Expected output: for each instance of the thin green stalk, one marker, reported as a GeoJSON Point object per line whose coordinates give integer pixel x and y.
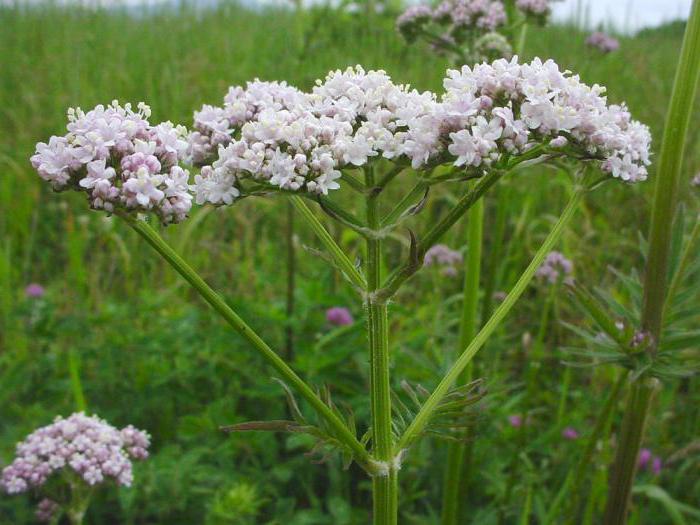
{"type": "Point", "coordinates": [75, 382]}
{"type": "Point", "coordinates": [407, 201]}
{"type": "Point", "coordinates": [384, 487]}
{"type": "Point", "coordinates": [456, 453]}
{"type": "Point", "coordinates": [327, 240]}
{"type": "Point", "coordinates": [291, 277]}
{"type": "Point", "coordinates": [342, 432]}
{"type": "Point", "coordinates": [436, 232]}
{"type": "Point", "coordinates": [426, 411]}
{"type": "Point", "coordinates": [656, 275]}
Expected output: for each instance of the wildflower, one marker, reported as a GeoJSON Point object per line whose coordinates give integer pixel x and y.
{"type": "Point", "coordinates": [87, 446]}
{"type": "Point", "coordinates": [412, 20]}
{"type": "Point", "coordinates": [120, 161]}
{"type": "Point", "coordinates": [492, 46]}
{"type": "Point", "coordinates": [569, 433]}
{"type": "Point", "coordinates": [656, 465]}
{"type": "Point", "coordinates": [602, 42]}
{"type": "Point", "coordinates": [554, 268]}
{"type": "Point", "coordinates": [696, 181]}
{"type": "Point", "coordinates": [645, 456]}
{"type": "Point", "coordinates": [442, 256]}
{"type": "Point", "coordinates": [515, 420]}
{"type": "Point", "coordinates": [34, 291]}
{"type": "Point", "coordinates": [536, 8]}
{"type": "Point", "coordinates": [339, 316]}
{"type": "Point", "coordinates": [46, 510]}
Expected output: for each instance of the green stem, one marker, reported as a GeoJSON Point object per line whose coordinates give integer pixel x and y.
{"type": "Point", "coordinates": [291, 275]}
{"type": "Point", "coordinates": [437, 231]}
{"type": "Point", "coordinates": [656, 275]}
{"type": "Point", "coordinates": [456, 453]}
{"type": "Point", "coordinates": [384, 487]}
{"type": "Point", "coordinates": [327, 240]}
{"type": "Point", "coordinates": [626, 458]}
{"type": "Point", "coordinates": [75, 382]}
{"type": "Point", "coordinates": [408, 200]}
{"type": "Point", "coordinates": [171, 257]}
{"type": "Point", "coordinates": [426, 411]}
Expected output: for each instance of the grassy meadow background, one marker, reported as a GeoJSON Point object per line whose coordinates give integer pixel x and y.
{"type": "Point", "coordinates": [150, 353]}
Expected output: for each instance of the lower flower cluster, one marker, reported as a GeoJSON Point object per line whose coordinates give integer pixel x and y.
{"type": "Point", "coordinates": [85, 445]}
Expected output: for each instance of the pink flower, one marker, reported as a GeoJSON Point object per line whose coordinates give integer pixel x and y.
{"type": "Point", "coordinates": [570, 433]}
{"type": "Point", "coordinates": [515, 420]}
{"type": "Point", "coordinates": [339, 316]}
{"type": "Point", "coordinates": [34, 290]}
{"type": "Point", "coordinates": [656, 465]}
{"type": "Point", "coordinates": [644, 458]}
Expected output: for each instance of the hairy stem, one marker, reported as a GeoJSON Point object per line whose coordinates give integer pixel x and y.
{"type": "Point", "coordinates": [426, 411]}
{"type": "Point", "coordinates": [385, 485]}
{"type": "Point", "coordinates": [456, 453]}
{"type": "Point", "coordinates": [341, 430]}
{"type": "Point", "coordinates": [656, 275]}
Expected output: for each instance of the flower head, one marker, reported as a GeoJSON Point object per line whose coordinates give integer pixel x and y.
{"type": "Point", "coordinates": [569, 433]}
{"type": "Point", "coordinates": [554, 268]}
{"type": "Point", "coordinates": [515, 420]}
{"type": "Point", "coordinates": [34, 291]}
{"type": "Point", "coordinates": [46, 510]}
{"type": "Point", "coordinates": [696, 181]}
{"type": "Point", "coordinates": [602, 42]}
{"type": "Point", "coordinates": [339, 316]}
{"type": "Point", "coordinates": [86, 445]}
{"type": "Point", "coordinates": [120, 161]}
{"type": "Point", "coordinates": [443, 257]}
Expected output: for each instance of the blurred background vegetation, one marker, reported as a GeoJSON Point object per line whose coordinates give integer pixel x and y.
{"type": "Point", "coordinates": [150, 353]}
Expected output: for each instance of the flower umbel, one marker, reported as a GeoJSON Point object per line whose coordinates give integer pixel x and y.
{"type": "Point", "coordinates": [120, 160]}
{"type": "Point", "coordinates": [85, 445]}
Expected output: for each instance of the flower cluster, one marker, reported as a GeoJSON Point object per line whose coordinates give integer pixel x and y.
{"type": "Point", "coordinates": [347, 119]}
{"type": "Point", "coordinates": [696, 180]}
{"type": "Point", "coordinates": [120, 160]}
{"type": "Point", "coordinates": [445, 258]}
{"type": "Point", "coordinates": [34, 291]}
{"type": "Point", "coordinates": [46, 510]}
{"type": "Point", "coordinates": [649, 461]}
{"type": "Point", "coordinates": [507, 108]}
{"type": "Point", "coordinates": [554, 268]}
{"type": "Point", "coordinates": [214, 126]}
{"type": "Point", "coordinates": [536, 8]}
{"type": "Point", "coordinates": [487, 115]}
{"type": "Point", "coordinates": [339, 316]}
{"type": "Point", "coordinates": [602, 42]}
{"type": "Point", "coordinates": [458, 20]}
{"type": "Point", "coordinates": [88, 446]}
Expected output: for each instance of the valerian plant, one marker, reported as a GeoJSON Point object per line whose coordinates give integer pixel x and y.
{"type": "Point", "coordinates": [362, 130]}
{"type": "Point", "coordinates": [68, 460]}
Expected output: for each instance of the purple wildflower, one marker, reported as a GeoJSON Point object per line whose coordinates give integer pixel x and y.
{"type": "Point", "coordinates": [339, 316]}
{"type": "Point", "coordinates": [602, 42]}
{"type": "Point", "coordinates": [46, 509]}
{"type": "Point", "coordinates": [554, 267]}
{"type": "Point", "coordinates": [570, 433]}
{"type": "Point", "coordinates": [87, 445]}
{"type": "Point", "coordinates": [443, 257]}
{"type": "Point", "coordinates": [34, 290]}
{"type": "Point", "coordinates": [515, 420]}
{"type": "Point", "coordinates": [645, 456]}
{"type": "Point", "coordinates": [656, 465]}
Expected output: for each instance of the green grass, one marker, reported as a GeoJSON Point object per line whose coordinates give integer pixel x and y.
{"type": "Point", "coordinates": [153, 355]}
